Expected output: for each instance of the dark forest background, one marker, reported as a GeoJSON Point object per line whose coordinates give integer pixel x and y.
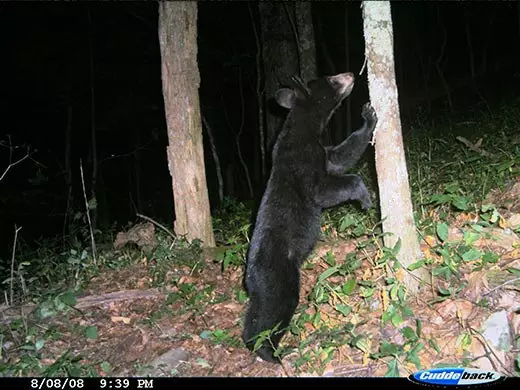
{"type": "Point", "coordinates": [54, 55]}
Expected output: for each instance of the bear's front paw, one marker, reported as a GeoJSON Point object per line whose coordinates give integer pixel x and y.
{"type": "Point", "coordinates": [368, 113]}
{"type": "Point", "coordinates": [366, 203]}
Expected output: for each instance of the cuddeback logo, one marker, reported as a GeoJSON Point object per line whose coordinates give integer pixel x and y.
{"type": "Point", "coordinates": [456, 377]}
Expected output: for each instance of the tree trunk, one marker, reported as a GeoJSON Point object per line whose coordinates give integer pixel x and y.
{"type": "Point", "coordinates": [280, 57]}
{"type": "Point", "coordinates": [180, 81]}
{"type": "Point", "coordinates": [438, 61]}
{"type": "Point", "coordinates": [348, 105]}
{"type": "Point", "coordinates": [306, 41]}
{"type": "Point", "coordinates": [93, 189]}
{"type": "Point", "coordinates": [394, 190]}
{"type": "Point", "coordinates": [259, 100]}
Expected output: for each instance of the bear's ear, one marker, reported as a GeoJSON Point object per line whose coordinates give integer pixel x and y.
{"type": "Point", "coordinates": [285, 97]}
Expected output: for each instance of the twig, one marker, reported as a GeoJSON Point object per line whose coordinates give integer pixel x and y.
{"type": "Point", "coordinates": [261, 126]}
{"type": "Point", "coordinates": [502, 285]}
{"type": "Point", "coordinates": [11, 163]}
{"type": "Point", "coordinates": [172, 235]}
{"type": "Point", "coordinates": [239, 134]}
{"type": "Point", "coordinates": [88, 214]}
{"type": "Point", "coordinates": [216, 159]}
{"type": "Point", "coordinates": [16, 230]}
{"type": "Point", "coordinates": [474, 147]}
{"type": "Point", "coordinates": [440, 58]}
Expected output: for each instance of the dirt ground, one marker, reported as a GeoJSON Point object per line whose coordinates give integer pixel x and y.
{"type": "Point", "coordinates": [130, 339]}
{"type": "Point", "coordinates": [143, 331]}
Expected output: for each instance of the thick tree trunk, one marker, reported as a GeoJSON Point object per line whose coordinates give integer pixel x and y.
{"type": "Point", "coordinates": [280, 57]}
{"type": "Point", "coordinates": [394, 190]}
{"type": "Point", "coordinates": [180, 80]}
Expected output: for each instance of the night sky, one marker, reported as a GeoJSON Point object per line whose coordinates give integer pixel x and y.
{"type": "Point", "coordinates": [55, 54]}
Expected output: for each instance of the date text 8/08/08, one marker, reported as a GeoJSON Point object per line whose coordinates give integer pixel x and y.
{"type": "Point", "coordinates": [78, 383]}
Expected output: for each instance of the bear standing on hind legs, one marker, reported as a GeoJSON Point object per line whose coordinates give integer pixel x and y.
{"type": "Point", "coordinates": [306, 177]}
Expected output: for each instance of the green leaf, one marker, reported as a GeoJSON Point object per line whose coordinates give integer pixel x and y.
{"type": "Point", "coordinates": [106, 367]}
{"type": "Point", "coordinates": [346, 222]}
{"type": "Point", "coordinates": [39, 344]}
{"type": "Point", "coordinates": [397, 246]}
{"type": "Point", "coordinates": [477, 228]}
{"type": "Point", "coordinates": [393, 370]}
{"type": "Point", "coordinates": [434, 345]}
{"type": "Point", "coordinates": [343, 309]}
{"type": "Point", "coordinates": [444, 291]}
{"type": "Point", "coordinates": [397, 319]}
{"type": "Point", "coordinates": [409, 333]}
{"type": "Point", "coordinates": [442, 231]}
{"type": "Point", "coordinates": [416, 265]}
{"type": "Point", "coordinates": [418, 330]}
{"type": "Point", "coordinates": [407, 311]}
{"type": "Point", "coordinates": [319, 293]}
{"type": "Point", "coordinates": [393, 292]}
{"type": "Point", "coordinates": [490, 257]}
{"type": "Point", "coordinates": [439, 199]}
{"type": "Point", "coordinates": [471, 255]}
{"type": "Point", "coordinates": [316, 320]}
{"type": "Point", "coordinates": [367, 292]}
{"type": "Point", "coordinates": [91, 332]}
{"type": "Point", "coordinates": [461, 203]}
{"type": "Point", "coordinates": [330, 259]}
{"type": "Point", "coordinates": [470, 237]}
{"type": "Point", "coordinates": [349, 286]}
{"type": "Point", "coordinates": [68, 298]}
{"type": "Point", "coordinates": [452, 188]}
{"type": "Point", "coordinates": [327, 273]}
{"type": "Point", "coordinates": [401, 294]}
{"type": "Point", "coordinates": [389, 349]}
{"type": "Point", "coordinates": [412, 355]}
{"type": "Point", "coordinates": [363, 344]}
{"type": "Point", "coordinates": [514, 271]}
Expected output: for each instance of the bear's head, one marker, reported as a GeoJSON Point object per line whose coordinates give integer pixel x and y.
{"type": "Point", "coordinates": [321, 96]}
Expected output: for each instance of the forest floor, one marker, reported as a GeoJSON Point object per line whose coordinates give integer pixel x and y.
{"type": "Point", "coordinates": [192, 327]}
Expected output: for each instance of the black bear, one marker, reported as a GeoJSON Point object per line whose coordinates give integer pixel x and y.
{"type": "Point", "coordinates": [306, 177]}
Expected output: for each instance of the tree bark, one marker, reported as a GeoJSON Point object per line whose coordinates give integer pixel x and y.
{"type": "Point", "coordinates": [348, 104]}
{"type": "Point", "coordinates": [180, 81]}
{"type": "Point", "coordinates": [306, 41]}
{"type": "Point", "coordinates": [280, 56]}
{"type": "Point", "coordinates": [394, 189]}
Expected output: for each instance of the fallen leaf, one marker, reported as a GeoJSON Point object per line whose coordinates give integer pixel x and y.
{"type": "Point", "coordinates": [451, 308]}
{"type": "Point", "coordinates": [125, 320]}
{"type": "Point", "coordinates": [477, 284]}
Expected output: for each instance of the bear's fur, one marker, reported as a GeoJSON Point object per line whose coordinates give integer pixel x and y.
{"type": "Point", "coordinates": [306, 177]}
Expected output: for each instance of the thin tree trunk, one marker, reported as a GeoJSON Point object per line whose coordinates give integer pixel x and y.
{"type": "Point", "coordinates": [259, 96]}
{"type": "Point", "coordinates": [348, 104]}
{"type": "Point", "coordinates": [214, 152]}
{"type": "Point", "coordinates": [180, 81]}
{"type": "Point", "coordinates": [68, 171]}
{"type": "Point", "coordinates": [330, 68]}
{"type": "Point", "coordinates": [93, 188]}
{"type": "Point", "coordinates": [239, 134]}
{"type": "Point", "coordinates": [394, 189]}
{"type": "Point", "coordinates": [471, 55]}
{"type": "Point", "coordinates": [137, 171]}
{"type": "Point", "coordinates": [438, 66]}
